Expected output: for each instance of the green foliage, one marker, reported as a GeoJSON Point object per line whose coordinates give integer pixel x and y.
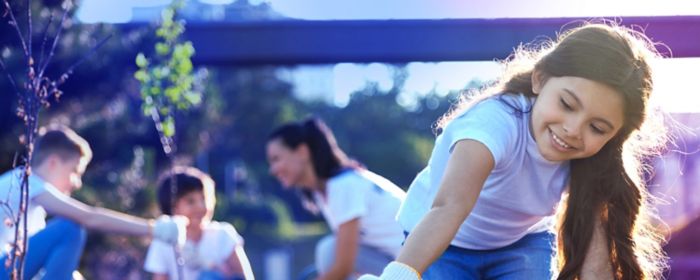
{"type": "Point", "coordinates": [167, 81]}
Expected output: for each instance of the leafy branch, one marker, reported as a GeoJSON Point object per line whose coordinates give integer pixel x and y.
{"type": "Point", "coordinates": [167, 81]}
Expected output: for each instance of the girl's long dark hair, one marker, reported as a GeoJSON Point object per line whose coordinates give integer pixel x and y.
{"type": "Point", "coordinates": [326, 156]}
{"type": "Point", "coordinates": [606, 187]}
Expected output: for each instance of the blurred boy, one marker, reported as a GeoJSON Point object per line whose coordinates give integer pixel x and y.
{"type": "Point", "coordinates": [59, 160]}
{"type": "Point", "coordinates": [213, 250]}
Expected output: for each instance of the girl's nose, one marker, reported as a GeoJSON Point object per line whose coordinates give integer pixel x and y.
{"type": "Point", "coordinates": [572, 129]}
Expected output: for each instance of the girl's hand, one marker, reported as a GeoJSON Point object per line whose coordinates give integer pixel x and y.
{"type": "Point", "coordinates": [395, 271]}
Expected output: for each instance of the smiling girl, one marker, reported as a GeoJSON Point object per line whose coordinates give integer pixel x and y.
{"type": "Point", "coordinates": [560, 129]}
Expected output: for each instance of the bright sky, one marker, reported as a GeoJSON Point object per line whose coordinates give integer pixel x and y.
{"type": "Point", "coordinates": [342, 79]}
{"type": "Point", "coordinates": [674, 77]}
{"type": "Point", "coordinates": [120, 11]}
{"type": "Point", "coordinates": [420, 9]}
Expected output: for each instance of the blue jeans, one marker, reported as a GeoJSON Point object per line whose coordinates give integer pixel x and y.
{"type": "Point", "coordinates": [528, 258]}
{"type": "Point", "coordinates": [215, 275]}
{"type": "Point", "coordinates": [56, 248]}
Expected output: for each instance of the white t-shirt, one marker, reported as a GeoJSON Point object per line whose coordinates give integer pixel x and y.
{"type": "Point", "coordinates": [370, 197]}
{"type": "Point", "coordinates": [521, 192]}
{"type": "Point", "coordinates": [218, 241]}
{"type": "Point", "coordinates": [10, 193]}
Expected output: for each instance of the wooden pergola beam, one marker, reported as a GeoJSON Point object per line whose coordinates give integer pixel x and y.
{"type": "Point", "coordinates": [400, 41]}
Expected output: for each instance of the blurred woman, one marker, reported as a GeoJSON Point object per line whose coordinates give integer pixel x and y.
{"type": "Point", "coordinates": [358, 205]}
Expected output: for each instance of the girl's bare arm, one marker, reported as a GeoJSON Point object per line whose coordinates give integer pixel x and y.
{"type": "Point", "coordinates": [346, 247]}
{"type": "Point", "coordinates": [467, 169]}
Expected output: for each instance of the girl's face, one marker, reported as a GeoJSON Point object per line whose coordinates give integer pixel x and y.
{"type": "Point", "coordinates": [193, 206]}
{"type": "Point", "coordinates": [574, 117]}
{"type": "Point", "coordinates": [286, 164]}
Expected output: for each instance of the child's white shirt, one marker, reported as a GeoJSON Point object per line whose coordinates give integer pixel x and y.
{"type": "Point", "coordinates": [369, 197]}
{"type": "Point", "coordinates": [219, 239]}
{"type": "Point", "coordinates": [520, 194]}
{"type": "Point", "coordinates": [10, 194]}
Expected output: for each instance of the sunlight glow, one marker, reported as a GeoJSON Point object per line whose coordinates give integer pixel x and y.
{"type": "Point", "coordinates": [674, 88]}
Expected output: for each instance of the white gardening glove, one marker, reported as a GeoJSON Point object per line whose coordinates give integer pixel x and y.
{"type": "Point", "coordinates": [171, 230]}
{"type": "Point", "coordinates": [394, 271]}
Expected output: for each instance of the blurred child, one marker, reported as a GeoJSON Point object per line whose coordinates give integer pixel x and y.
{"type": "Point", "coordinates": [213, 250]}
{"type": "Point", "coordinates": [59, 160]}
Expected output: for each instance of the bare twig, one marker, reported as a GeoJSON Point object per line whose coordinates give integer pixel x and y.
{"type": "Point", "coordinates": [55, 42]}
{"type": "Point", "coordinates": [30, 131]}
{"type": "Point", "coordinates": [44, 38]}
{"type": "Point", "coordinates": [9, 77]}
{"type": "Point", "coordinates": [92, 51]}
{"type": "Point", "coordinates": [29, 32]}
{"type": "Point", "coordinates": [14, 23]}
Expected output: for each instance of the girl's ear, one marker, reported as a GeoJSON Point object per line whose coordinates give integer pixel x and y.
{"type": "Point", "coordinates": [538, 80]}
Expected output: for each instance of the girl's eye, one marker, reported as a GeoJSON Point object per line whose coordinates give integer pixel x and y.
{"type": "Point", "coordinates": [565, 105]}
{"type": "Point", "coordinates": [597, 130]}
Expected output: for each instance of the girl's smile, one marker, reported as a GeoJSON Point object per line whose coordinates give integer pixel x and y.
{"type": "Point", "coordinates": [560, 144]}
{"type": "Point", "coordinates": [573, 117]}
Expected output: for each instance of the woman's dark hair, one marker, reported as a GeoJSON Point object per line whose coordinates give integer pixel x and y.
{"type": "Point", "coordinates": [326, 156]}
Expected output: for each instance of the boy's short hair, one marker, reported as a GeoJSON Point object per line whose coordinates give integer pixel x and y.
{"type": "Point", "coordinates": [187, 180]}
{"type": "Point", "coordinates": [62, 142]}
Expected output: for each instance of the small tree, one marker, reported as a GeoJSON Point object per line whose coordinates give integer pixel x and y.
{"type": "Point", "coordinates": [168, 85]}
{"type": "Point", "coordinates": [167, 81]}
{"type": "Point", "coordinates": [34, 93]}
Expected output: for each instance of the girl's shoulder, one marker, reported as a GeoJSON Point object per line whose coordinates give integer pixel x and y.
{"type": "Point", "coordinates": [506, 102]}
{"type": "Point", "coordinates": [218, 230]}
{"type": "Point", "coordinates": [355, 179]}
{"type": "Point", "coordinates": [219, 226]}
{"type": "Point", "coordinates": [346, 176]}
{"type": "Point", "coordinates": [505, 107]}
